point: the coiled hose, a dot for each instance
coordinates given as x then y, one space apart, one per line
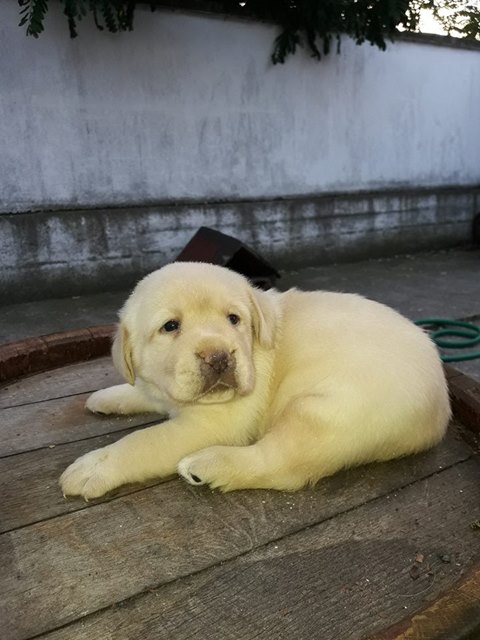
441 329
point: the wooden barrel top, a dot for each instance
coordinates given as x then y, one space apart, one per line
384 551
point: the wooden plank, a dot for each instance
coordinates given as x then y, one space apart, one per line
29 481
83 377
72 565
53 422
345 578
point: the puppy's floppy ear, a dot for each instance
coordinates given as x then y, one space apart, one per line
264 317
122 353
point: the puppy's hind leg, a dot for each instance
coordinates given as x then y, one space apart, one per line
121 399
297 450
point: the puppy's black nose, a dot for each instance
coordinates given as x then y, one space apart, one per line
219 361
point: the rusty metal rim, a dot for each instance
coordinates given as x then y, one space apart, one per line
34 355
454 615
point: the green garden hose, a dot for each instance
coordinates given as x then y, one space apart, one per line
440 329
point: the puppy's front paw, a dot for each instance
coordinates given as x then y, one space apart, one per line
111 400
91 475
209 466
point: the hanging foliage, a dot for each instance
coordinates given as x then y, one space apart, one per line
113 15
314 24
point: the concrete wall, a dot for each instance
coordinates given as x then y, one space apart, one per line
188 108
62 253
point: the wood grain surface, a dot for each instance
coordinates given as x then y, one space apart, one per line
168 560
344 578
83 377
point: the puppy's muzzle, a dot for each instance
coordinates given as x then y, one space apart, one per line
217 367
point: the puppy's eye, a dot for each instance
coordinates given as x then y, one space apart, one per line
233 318
171 325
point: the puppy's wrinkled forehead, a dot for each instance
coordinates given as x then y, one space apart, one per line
196 287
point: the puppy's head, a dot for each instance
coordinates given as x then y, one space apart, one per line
191 331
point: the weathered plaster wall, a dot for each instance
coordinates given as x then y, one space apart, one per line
114 149
189 107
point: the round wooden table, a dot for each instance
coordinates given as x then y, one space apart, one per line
384 551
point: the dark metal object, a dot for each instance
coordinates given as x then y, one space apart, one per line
209 245
476 230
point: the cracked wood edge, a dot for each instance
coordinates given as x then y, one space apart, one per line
465 397
454 615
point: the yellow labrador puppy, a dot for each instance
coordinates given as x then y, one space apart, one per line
263 389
